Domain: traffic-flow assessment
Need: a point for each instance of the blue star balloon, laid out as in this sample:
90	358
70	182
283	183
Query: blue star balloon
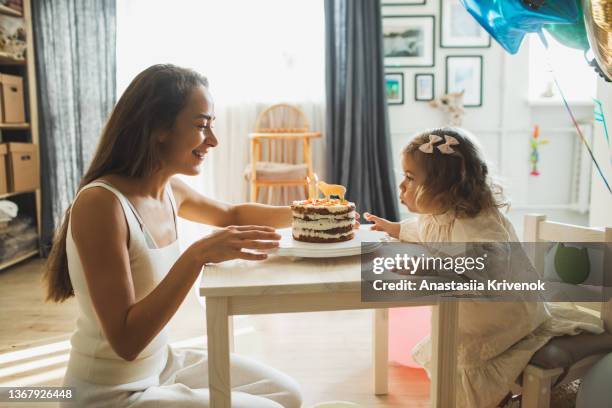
509	20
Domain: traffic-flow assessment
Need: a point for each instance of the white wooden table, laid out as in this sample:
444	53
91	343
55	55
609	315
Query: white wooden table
284	285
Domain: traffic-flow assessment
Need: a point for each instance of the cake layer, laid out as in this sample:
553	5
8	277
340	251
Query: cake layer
322	207
323	239
322	225
326	232
324	210
314	217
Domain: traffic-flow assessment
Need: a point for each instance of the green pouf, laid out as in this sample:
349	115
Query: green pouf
572	264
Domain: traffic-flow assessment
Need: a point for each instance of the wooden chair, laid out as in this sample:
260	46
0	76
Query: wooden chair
537	381
280	149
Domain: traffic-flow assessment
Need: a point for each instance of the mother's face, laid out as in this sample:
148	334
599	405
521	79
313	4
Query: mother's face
186	144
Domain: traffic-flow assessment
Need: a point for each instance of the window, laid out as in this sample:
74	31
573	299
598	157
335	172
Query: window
577	79
263	51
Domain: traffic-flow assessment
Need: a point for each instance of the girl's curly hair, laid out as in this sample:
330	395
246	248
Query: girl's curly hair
459	181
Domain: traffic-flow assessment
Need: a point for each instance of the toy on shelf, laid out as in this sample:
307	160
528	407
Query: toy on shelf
452	103
534	157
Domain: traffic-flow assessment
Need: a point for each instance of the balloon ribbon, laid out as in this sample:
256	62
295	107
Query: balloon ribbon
571	113
600	117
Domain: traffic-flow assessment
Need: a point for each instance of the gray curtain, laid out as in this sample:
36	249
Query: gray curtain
75	68
357	137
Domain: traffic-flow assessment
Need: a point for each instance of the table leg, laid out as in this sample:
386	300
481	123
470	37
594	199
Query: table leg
380	348
230	325
443	354
217	328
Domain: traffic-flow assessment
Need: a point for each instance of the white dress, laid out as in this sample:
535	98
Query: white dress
161	375
496	340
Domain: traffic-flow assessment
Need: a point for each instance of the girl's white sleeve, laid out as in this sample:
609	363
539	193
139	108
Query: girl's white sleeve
409	230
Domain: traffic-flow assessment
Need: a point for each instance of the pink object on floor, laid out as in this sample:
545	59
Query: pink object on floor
407	326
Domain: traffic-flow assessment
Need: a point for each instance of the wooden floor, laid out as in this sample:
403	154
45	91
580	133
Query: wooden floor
328	353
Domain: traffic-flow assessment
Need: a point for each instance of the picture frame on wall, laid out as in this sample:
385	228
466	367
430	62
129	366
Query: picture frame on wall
403	2
464	73
424	87
409	41
394	86
458	29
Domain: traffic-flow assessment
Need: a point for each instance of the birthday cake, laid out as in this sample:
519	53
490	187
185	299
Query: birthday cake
323	220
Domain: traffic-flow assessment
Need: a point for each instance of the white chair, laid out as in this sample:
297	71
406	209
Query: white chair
537	381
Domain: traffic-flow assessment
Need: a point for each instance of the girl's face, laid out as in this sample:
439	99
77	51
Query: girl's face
413	179
185	146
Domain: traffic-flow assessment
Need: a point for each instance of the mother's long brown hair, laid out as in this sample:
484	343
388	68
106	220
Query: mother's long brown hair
127	147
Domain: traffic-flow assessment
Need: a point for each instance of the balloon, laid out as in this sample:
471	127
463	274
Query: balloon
598	22
407	326
509	20
571	35
595	390
593	63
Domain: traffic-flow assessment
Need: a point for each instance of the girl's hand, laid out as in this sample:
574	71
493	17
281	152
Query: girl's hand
380	224
234	242
356	225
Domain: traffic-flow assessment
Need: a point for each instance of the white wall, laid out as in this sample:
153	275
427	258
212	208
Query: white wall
503	124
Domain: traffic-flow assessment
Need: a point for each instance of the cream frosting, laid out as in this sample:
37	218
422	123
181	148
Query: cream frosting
314	216
299	232
321	225
323	205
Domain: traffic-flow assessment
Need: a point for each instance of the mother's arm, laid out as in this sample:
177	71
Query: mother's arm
195	207
101	234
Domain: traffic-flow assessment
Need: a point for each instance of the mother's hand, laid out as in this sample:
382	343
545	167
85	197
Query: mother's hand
236	242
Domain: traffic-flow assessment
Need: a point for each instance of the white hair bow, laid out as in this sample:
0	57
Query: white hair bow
428	147
446	147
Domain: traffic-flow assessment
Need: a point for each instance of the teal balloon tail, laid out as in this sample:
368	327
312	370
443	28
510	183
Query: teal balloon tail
600	117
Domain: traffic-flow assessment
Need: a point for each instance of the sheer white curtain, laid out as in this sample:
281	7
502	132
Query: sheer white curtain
254	53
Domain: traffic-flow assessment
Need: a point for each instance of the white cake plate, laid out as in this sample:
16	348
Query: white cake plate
290	247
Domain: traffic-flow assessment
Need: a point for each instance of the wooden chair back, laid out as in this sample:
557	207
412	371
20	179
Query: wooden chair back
282	118
284	127
537	229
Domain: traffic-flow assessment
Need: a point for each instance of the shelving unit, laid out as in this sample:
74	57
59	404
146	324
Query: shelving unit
18	259
9	11
14	126
8	60
23	132
14	193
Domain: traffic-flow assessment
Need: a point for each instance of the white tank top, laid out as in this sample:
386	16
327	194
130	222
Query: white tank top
92	358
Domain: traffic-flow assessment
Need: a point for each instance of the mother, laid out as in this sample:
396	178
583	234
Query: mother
117	252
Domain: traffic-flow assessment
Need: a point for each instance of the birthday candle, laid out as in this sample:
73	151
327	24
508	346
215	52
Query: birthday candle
316	182
311	188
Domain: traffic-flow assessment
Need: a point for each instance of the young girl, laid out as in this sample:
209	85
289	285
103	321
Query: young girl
446	182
